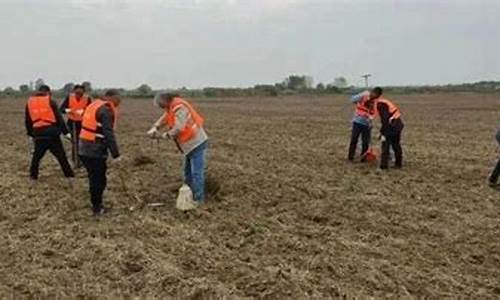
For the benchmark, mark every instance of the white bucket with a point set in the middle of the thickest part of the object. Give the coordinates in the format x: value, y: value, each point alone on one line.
x: 185, y: 200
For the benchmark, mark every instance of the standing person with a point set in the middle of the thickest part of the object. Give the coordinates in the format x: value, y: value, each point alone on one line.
x: 74, y: 105
x: 493, y: 180
x: 44, y: 123
x: 362, y: 122
x: 390, y: 131
x: 97, y: 138
x: 185, y: 127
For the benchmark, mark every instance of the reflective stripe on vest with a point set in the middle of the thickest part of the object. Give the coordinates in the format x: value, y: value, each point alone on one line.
x: 41, y: 112
x: 90, y: 126
x: 366, y: 111
x: 75, y: 104
x: 193, y: 123
x: 394, y: 111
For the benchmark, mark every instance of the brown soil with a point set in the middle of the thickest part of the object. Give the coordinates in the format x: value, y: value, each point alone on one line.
x: 287, y: 215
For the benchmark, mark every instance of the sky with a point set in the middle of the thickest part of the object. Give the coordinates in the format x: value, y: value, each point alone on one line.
x: 239, y: 43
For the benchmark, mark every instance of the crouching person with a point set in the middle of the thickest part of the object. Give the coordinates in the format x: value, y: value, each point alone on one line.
x: 185, y: 126
x: 493, y: 180
x: 97, y: 138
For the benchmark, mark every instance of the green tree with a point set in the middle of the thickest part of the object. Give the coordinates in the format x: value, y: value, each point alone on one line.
x: 38, y: 83
x: 24, y: 88
x: 340, y: 82
x: 68, y: 87
x: 88, y: 86
x: 9, y: 91
x: 144, y: 90
x: 298, y: 82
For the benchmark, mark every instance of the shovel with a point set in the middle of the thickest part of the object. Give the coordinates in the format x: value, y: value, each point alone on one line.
x: 74, y: 150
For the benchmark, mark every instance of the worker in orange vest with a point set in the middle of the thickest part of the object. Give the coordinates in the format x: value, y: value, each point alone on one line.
x: 74, y: 105
x: 44, y: 123
x: 390, y: 131
x: 97, y: 138
x: 185, y: 127
x: 362, y: 123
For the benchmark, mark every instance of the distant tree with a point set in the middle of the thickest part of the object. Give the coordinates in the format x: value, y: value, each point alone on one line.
x: 68, y: 87
x: 332, y: 88
x: 297, y: 82
x: 309, y: 81
x: 280, y: 86
x: 340, y: 82
x: 38, y: 83
x: 24, y: 88
x: 88, y: 86
x: 144, y: 90
x: 320, y: 86
x: 9, y: 91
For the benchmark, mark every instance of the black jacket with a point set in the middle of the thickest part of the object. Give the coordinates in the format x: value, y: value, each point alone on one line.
x: 52, y: 131
x: 388, y: 127
x: 100, y: 148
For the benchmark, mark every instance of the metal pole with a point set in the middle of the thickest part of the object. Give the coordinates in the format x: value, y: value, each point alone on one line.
x: 76, y: 162
x: 366, y: 77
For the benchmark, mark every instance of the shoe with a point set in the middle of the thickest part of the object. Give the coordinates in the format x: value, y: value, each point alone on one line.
x: 99, y: 213
x: 493, y: 184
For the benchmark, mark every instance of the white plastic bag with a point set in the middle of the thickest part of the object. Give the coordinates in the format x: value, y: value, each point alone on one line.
x: 185, y: 200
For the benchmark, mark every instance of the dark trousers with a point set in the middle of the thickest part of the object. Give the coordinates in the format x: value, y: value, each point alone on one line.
x: 366, y: 135
x: 55, y: 146
x: 392, y: 140
x: 96, y: 170
x: 75, y: 128
x: 496, y: 173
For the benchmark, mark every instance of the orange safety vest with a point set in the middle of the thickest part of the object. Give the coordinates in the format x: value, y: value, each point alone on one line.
x: 41, y: 112
x: 75, y: 104
x: 364, y: 110
x: 90, y: 126
x: 394, y: 111
x: 193, y: 123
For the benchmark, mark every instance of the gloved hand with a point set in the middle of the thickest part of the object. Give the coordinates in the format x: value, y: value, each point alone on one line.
x: 79, y: 112
x: 67, y: 110
x: 382, y: 138
x: 67, y: 136
x: 153, y: 132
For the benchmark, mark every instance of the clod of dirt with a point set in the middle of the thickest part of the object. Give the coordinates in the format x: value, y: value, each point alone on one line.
x: 142, y: 160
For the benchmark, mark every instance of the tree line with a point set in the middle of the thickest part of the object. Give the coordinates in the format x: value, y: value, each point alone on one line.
x: 291, y: 85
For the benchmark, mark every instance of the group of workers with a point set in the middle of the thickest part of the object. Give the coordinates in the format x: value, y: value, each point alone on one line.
x: 91, y: 127
x: 92, y: 123
x: 369, y: 105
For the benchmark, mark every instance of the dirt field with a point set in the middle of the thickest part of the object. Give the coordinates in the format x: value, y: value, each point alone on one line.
x: 288, y: 215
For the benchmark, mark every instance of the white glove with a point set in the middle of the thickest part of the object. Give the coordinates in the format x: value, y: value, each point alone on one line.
x: 383, y: 139
x: 67, y: 110
x: 152, y: 132
x: 68, y: 136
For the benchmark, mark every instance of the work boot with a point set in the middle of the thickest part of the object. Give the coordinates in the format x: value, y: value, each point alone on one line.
x: 100, y: 212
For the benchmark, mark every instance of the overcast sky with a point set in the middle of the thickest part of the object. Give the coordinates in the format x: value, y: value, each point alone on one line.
x: 197, y: 43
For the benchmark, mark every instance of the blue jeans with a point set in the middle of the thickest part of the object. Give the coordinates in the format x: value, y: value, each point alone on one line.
x: 194, y: 171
